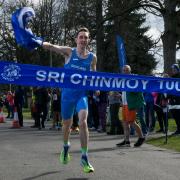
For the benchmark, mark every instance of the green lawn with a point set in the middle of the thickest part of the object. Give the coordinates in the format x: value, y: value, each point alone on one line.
x: 171, y: 125
x: 26, y: 113
x: 173, y: 142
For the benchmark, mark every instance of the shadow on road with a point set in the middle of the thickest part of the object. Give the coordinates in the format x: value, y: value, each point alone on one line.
x: 94, y: 150
x: 41, y: 175
x: 77, y: 179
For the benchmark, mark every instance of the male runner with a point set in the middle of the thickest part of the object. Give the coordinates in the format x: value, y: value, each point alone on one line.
x: 72, y: 100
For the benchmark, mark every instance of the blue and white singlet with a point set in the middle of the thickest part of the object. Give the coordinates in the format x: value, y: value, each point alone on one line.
x: 77, y: 63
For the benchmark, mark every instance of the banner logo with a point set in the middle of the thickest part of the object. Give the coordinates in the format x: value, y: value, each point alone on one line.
x: 11, y: 72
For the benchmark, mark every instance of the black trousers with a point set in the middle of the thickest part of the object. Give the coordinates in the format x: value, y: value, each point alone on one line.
x: 176, y: 116
x: 20, y: 115
x: 161, y: 117
x: 116, y: 125
x: 41, y: 115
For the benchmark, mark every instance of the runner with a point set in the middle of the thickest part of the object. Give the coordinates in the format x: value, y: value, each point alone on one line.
x: 76, y: 100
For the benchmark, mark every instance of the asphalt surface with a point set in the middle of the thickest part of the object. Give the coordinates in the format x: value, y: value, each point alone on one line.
x: 31, y: 154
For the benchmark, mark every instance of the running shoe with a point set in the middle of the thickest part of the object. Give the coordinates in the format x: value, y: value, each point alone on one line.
x: 139, y: 142
x: 177, y: 132
x: 87, y: 167
x: 123, y: 144
x: 64, y: 156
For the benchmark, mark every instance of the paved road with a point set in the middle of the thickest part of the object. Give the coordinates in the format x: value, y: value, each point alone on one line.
x: 30, y: 154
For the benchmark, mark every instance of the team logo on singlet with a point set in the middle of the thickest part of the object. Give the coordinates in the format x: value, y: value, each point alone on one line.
x: 11, y: 72
x: 75, y: 59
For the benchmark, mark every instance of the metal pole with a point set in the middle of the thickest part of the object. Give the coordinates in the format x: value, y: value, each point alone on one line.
x: 165, y: 110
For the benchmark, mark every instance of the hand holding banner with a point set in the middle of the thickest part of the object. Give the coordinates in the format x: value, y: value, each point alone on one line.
x: 23, y: 34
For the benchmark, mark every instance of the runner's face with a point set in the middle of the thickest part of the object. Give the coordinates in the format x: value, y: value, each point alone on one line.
x: 82, y: 39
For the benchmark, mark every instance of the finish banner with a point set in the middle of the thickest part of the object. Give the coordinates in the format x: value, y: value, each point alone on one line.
x: 33, y: 75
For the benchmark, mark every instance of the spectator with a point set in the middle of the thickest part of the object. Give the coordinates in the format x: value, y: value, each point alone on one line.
x: 161, y: 111
x: 149, y: 111
x: 102, y: 105
x: 1, y: 102
x: 6, y: 103
x: 90, y: 119
x: 174, y: 101
x: 141, y: 117
x: 131, y: 101
x: 33, y: 108
x: 18, y: 103
x: 41, y: 101
x: 56, y: 109
x: 49, y: 106
x: 114, y: 105
x: 10, y: 100
x: 95, y: 114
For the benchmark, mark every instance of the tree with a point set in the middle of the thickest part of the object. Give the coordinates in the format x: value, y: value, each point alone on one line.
x: 6, y: 39
x: 170, y: 11
x: 80, y: 14
x: 94, y: 15
x: 128, y: 23
x: 58, y: 22
x: 99, y: 35
x: 49, y: 24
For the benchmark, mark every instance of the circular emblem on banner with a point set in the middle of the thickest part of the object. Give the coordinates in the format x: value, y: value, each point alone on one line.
x: 11, y: 72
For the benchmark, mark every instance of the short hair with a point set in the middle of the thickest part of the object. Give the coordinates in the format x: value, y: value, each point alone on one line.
x: 127, y: 67
x: 175, y: 67
x: 82, y: 29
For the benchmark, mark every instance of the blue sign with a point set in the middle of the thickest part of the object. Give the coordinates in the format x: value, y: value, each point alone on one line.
x: 121, y: 51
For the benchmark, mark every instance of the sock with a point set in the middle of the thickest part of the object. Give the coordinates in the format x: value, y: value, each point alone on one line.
x: 66, y: 144
x: 84, y: 151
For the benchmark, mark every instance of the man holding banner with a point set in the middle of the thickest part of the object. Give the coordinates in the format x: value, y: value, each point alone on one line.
x: 75, y: 100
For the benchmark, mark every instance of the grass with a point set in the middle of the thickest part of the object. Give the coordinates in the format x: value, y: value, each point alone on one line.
x: 173, y: 142
x: 26, y: 113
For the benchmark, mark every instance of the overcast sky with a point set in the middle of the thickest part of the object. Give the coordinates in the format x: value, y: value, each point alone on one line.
x: 156, y: 29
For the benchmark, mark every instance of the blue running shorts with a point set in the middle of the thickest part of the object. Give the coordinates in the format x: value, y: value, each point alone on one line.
x: 68, y: 108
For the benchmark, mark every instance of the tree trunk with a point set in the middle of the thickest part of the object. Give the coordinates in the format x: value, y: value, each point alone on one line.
x: 169, y: 50
x: 169, y: 37
x: 99, y: 36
